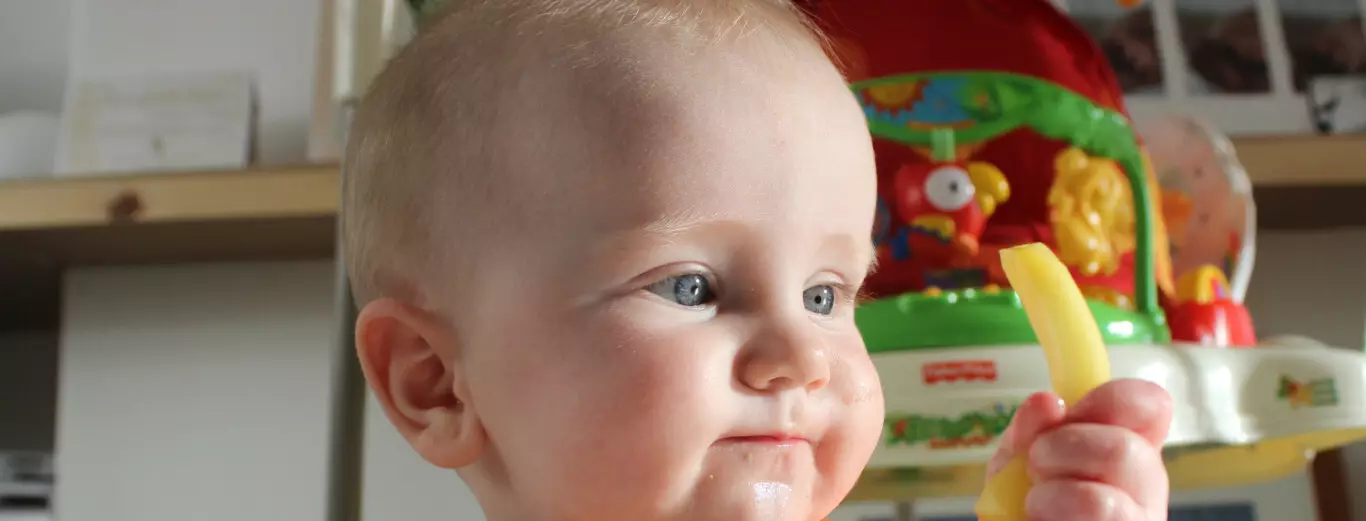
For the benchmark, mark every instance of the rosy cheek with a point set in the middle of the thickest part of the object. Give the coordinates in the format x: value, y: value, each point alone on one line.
x: 854, y: 378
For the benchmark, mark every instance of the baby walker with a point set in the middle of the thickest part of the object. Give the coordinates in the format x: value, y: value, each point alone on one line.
x: 999, y: 123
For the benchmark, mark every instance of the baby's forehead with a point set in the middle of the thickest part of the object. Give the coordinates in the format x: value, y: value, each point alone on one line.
x: 628, y: 116
x: 705, y: 134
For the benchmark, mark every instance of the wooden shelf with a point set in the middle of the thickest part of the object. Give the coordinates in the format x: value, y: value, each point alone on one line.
x: 1306, y: 182
x: 1310, y: 160
x: 49, y: 225
x: 165, y: 198
x: 1301, y: 182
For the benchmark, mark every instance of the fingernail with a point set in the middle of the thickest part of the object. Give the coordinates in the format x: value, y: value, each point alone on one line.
x: 1035, y: 411
x: 1049, y: 401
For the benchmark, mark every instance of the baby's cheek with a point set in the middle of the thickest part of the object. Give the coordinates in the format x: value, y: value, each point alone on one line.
x: 854, y: 378
x: 857, y: 421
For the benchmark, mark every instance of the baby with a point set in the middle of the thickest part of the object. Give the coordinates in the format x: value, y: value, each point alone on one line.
x: 608, y: 253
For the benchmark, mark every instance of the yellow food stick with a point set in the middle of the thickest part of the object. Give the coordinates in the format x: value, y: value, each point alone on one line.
x: 1072, y: 346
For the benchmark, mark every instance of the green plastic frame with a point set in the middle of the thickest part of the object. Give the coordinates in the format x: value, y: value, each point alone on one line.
x: 999, y: 103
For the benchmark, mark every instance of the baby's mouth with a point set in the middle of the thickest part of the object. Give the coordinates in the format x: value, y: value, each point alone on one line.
x: 770, y: 440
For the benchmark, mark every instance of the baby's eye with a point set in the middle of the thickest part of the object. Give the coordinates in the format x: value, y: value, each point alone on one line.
x: 819, y: 299
x: 691, y: 290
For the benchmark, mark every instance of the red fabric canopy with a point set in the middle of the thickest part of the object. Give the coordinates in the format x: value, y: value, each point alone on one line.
x: 878, y: 38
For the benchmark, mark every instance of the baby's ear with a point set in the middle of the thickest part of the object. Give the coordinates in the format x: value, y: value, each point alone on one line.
x: 408, y: 358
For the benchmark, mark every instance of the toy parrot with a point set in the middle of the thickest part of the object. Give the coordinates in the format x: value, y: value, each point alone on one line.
x: 1017, y: 86
x: 945, y: 203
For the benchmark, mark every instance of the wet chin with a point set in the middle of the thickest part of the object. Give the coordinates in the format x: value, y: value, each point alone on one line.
x: 757, y: 484
x: 755, y: 500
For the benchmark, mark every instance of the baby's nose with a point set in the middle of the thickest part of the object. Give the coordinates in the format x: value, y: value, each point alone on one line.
x: 781, y: 357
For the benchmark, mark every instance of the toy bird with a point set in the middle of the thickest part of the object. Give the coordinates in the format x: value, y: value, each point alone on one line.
x: 946, y: 202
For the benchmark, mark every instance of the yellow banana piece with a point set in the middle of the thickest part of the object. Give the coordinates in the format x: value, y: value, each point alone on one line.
x: 1072, y: 345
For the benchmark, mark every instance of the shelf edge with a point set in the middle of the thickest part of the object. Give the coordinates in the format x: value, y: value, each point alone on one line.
x: 1309, y: 160
x: 210, y: 196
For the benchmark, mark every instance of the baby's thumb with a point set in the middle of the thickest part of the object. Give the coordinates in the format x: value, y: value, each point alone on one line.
x: 1040, y: 412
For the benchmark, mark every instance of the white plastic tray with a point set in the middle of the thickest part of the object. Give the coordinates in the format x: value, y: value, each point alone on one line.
x: 1241, y: 415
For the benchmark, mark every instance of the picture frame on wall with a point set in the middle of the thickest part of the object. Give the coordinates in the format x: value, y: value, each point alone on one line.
x: 1338, y: 103
x: 1241, y: 65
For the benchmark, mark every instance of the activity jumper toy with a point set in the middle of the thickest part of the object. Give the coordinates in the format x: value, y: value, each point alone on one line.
x: 999, y: 123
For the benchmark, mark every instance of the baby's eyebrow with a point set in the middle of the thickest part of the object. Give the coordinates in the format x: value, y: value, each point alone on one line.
x: 675, y: 224
x: 848, y: 246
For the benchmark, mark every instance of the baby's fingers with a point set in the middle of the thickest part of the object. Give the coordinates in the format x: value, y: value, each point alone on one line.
x: 1073, y: 500
x: 1138, y: 405
x: 1105, y: 454
x: 1038, y: 413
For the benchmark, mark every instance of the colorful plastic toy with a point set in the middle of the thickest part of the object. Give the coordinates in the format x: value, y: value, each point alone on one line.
x: 1017, y: 85
x: 1038, y: 104
x: 942, y: 205
x: 1204, y: 312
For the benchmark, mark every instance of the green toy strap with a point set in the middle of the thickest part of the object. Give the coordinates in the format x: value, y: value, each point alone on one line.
x: 943, y: 150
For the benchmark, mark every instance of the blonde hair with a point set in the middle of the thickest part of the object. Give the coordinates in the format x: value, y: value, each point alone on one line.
x: 421, y: 173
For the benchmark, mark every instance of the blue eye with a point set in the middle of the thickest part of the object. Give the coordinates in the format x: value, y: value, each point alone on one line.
x: 691, y: 290
x: 819, y: 299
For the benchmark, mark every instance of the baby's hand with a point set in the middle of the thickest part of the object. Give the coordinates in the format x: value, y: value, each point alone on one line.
x: 1101, y: 460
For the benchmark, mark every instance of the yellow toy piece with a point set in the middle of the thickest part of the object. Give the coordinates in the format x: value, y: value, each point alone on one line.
x: 1092, y: 212
x: 1202, y: 285
x: 1109, y: 296
x: 1072, y: 345
x: 943, y: 226
x: 990, y: 183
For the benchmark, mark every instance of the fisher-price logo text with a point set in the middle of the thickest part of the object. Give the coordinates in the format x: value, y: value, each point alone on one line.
x: 964, y: 371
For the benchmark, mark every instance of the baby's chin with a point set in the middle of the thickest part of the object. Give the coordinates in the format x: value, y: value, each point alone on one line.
x: 754, y: 500
x: 759, y: 483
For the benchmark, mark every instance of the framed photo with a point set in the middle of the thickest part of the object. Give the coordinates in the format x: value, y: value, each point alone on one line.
x: 1338, y: 103
x: 1243, y: 65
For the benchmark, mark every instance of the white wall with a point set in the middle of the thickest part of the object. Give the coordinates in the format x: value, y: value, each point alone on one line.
x: 33, y: 46
x: 276, y: 40
x: 400, y: 486
x: 195, y: 392
x: 43, y: 42
x: 201, y: 392
x: 1311, y: 283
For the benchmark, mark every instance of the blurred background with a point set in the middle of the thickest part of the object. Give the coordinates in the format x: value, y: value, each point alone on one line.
x: 171, y: 322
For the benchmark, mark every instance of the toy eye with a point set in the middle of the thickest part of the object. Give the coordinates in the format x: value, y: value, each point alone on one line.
x: 949, y: 188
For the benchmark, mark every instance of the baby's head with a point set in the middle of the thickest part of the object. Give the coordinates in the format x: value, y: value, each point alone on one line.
x: 608, y: 253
